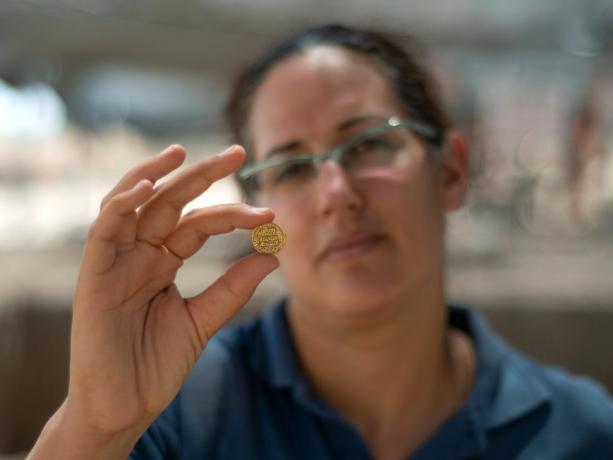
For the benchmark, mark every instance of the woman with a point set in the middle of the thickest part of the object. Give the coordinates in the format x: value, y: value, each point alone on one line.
x: 363, y: 359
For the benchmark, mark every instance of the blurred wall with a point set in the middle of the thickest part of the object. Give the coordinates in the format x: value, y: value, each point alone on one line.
x: 89, y: 88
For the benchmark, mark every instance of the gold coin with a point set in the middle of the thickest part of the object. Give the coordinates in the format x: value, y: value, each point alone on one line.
x: 268, y: 238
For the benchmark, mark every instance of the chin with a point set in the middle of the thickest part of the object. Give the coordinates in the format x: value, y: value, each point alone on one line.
x: 360, y: 302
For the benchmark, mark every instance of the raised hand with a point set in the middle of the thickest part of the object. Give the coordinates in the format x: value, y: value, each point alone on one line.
x: 134, y: 337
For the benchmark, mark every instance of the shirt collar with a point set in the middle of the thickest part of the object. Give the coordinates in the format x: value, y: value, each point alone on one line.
x: 505, y: 386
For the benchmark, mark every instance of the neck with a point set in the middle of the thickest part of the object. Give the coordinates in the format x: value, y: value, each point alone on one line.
x: 371, y: 370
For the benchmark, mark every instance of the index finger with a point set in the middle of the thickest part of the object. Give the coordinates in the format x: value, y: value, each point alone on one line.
x: 152, y: 169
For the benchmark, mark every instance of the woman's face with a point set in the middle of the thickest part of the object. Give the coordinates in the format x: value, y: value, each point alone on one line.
x: 353, y: 244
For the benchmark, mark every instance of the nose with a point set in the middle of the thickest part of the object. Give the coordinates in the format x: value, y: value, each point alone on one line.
x: 334, y: 191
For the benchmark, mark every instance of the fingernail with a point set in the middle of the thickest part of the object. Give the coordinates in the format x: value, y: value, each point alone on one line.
x: 229, y: 150
x: 170, y: 148
x: 261, y: 210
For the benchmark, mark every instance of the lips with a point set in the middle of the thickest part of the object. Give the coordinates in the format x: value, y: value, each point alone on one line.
x: 351, y: 245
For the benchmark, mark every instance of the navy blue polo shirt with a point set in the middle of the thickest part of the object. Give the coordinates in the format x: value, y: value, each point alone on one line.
x: 247, y: 398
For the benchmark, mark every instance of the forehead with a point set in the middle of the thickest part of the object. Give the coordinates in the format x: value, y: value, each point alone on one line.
x: 307, y: 95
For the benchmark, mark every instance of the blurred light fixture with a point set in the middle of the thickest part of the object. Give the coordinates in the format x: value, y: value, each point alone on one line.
x: 31, y: 111
x: 154, y: 100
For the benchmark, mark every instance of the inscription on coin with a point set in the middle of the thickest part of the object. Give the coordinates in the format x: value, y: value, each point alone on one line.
x: 268, y: 238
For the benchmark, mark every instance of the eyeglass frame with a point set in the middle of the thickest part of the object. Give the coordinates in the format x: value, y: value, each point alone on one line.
x: 336, y: 153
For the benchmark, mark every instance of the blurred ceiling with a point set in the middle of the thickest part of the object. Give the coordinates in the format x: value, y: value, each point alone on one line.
x: 206, y: 33
x: 61, y: 41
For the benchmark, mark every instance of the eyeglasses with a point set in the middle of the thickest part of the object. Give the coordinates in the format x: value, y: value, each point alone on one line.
x: 375, y: 150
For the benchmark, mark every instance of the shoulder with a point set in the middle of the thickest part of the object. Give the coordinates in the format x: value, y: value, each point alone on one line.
x: 542, y: 410
x: 518, y: 379
x: 578, y: 400
x: 571, y: 394
x: 580, y: 411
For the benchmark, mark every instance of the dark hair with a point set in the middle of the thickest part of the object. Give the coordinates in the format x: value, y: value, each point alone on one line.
x: 408, y: 76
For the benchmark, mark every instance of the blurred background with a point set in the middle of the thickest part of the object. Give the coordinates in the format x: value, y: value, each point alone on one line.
x: 89, y: 88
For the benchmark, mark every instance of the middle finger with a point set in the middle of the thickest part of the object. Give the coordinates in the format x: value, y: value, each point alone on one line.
x: 160, y: 215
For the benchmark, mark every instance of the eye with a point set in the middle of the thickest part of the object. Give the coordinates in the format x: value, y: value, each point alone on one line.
x: 369, y: 149
x: 291, y: 171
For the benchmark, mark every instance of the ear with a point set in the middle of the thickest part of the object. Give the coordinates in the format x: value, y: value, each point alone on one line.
x: 454, y: 171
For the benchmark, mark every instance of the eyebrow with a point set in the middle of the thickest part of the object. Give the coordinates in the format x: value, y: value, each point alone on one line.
x: 349, y: 123
x: 282, y: 148
x: 359, y: 119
